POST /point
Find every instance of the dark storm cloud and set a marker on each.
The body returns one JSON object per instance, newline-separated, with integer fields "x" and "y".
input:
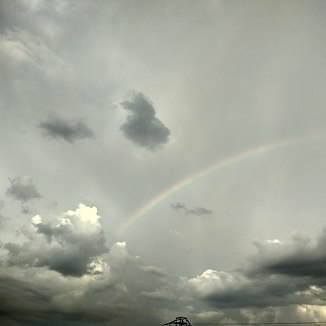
{"x": 142, "y": 126}
{"x": 23, "y": 189}
{"x": 303, "y": 258}
{"x": 280, "y": 274}
{"x": 38, "y": 296}
{"x": 265, "y": 292}
{"x": 199, "y": 211}
{"x": 68, "y": 248}
{"x": 58, "y": 128}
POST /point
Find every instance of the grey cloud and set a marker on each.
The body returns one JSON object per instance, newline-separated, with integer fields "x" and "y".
{"x": 25, "y": 209}
{"x": 159, "y": 294}
{"x": 23, "y": 189}
{"x": 2, "y": 218}
{"x": 300, "y": 258}
{"x": 154, "y": 271}
{"x": 114, "y": 286}
{"x": 69, "y": 247}
{"x": 199, "y": 211}
{"x": 117, "y": 278}
{"x": 271, "y": 75}
{"x": 70, "y": 132}
{"x": 142, "y": 126}
{"x": 38, "y": 296}
{"x": 265, "y": 292}
{"x": 280, "y": 274}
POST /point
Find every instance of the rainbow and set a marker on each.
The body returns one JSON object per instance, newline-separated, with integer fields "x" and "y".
{"x": 214, "y": 167}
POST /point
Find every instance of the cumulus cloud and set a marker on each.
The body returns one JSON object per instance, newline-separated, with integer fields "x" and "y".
{"x": 66, "y": 273}
{"x": 212, "y": 281}
{"x": 142, "y": 126}
{"x": 23, "y": 189}
{"x": 70, "y": 132}
{"x": 69, "y": 247}
{"x": 198, "y": 211}
{"x": 279, "y": 275}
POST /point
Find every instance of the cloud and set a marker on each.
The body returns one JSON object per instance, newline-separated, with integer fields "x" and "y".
{"x": 23, "y": 189}
{"x": 209, "y": 315}
{"x": 159, "y": 294}
{"x": 279, "y": 275}
{"x": 65, "y": 274}
{"x": 142, "y": 126}
{"x": 58, "y": 128}
{"x": 300, "y": 258}
{"x": 198, "y": 211}
{"x": 25, "y": 209}
{"x": 71, "y": 247}
{"x": 212, "y": 281}
{"x": 31, "y": 294}
{"x": 154, "y": 271}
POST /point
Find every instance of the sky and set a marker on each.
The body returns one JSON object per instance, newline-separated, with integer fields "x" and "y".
{"x": 162, "y": 159}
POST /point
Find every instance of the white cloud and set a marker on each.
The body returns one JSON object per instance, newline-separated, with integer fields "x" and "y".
{"x": 212, "y": 281}
{"x": 87, "y": 215}
{"x": 37, "y": 219}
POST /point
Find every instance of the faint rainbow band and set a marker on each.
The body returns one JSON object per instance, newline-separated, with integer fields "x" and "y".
{"x": 216, "y": 166}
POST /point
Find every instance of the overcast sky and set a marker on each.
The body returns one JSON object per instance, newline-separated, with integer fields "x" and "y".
{"x": 162, "y": 158}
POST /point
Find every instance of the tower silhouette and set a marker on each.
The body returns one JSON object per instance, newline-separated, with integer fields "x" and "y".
{"x": 179, "y": 321}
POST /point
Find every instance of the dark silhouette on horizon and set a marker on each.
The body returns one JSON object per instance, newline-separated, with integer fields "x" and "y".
{"x": 178, "y": 322}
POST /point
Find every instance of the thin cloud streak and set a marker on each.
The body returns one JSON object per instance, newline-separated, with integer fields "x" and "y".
{"x": 198, "y": 211}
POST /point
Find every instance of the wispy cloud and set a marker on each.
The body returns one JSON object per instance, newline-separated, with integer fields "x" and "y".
{"x": 199, "y": 211}
{"x": 23, "y": 189}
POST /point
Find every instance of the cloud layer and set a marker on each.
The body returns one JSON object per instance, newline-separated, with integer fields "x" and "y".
{"x": 65, "y": 272}
{"x": 142, "y": 126}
